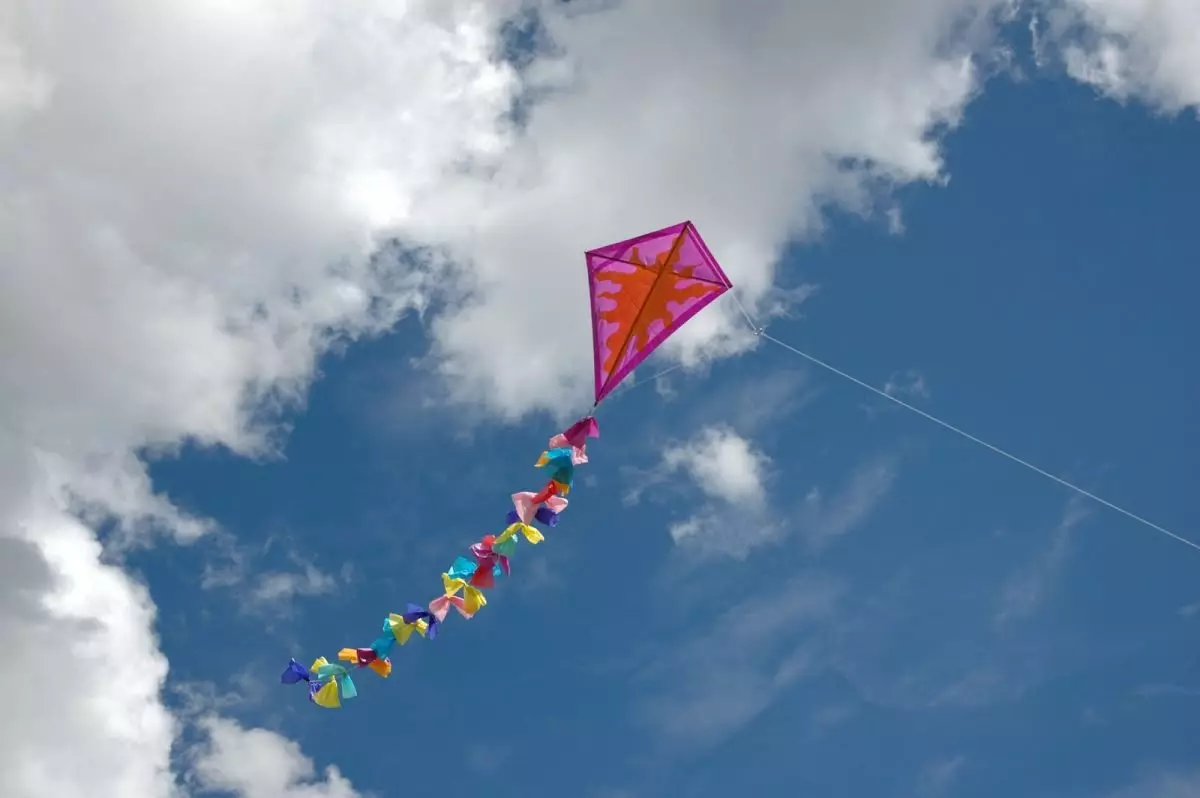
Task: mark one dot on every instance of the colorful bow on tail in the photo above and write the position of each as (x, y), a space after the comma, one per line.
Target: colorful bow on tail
(490, 563)
(416, 615)
(395, 630)
(543, 515)
(559, 462)
(576, 437)
(367, 658)
(527, 504)
(401, 628)
(467, 604)
(296, 673)
(506, 542)
(323, 679)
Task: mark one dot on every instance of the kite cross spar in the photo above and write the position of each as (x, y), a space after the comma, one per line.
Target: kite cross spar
(642, 291)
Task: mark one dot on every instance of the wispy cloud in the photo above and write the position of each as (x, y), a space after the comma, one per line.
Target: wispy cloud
(198, 699)
(910, 383)
(732, 474)
(1161, 690)
(978, 687)
(756, 406)
(277, 587)
(908, 386)
(886, 645)
(938, 777)
(487, 759)
(1027, 588)
(822, 519)
(538, 575)
(268, 590)
(1162, 784)
(611, 792)
(707, 687)
(828, 718)
(721, 530)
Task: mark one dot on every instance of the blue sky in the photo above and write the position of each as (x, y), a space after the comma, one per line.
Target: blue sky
(929, 620)
(294, 295)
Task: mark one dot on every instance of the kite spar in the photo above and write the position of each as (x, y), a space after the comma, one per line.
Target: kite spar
(642, 291)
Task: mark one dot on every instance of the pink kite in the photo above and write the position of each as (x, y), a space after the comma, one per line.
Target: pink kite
(643, 290)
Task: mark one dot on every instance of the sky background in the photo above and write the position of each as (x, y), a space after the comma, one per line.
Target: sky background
(223, 454)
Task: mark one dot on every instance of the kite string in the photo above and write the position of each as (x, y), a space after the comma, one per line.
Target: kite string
(754, 328)
(761, 332)
(649, 381)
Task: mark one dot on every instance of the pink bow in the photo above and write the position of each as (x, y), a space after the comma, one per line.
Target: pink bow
(576, 437)
(526, 503)
(467, 605)
(440, 607)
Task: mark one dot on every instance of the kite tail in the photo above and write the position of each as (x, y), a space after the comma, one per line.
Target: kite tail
(330, 684)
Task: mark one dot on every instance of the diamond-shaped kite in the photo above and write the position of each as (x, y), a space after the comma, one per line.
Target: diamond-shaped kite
(643, 290)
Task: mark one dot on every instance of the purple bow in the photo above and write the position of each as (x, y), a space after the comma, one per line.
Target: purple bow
(295, 673)
(416, 613)
(298, 673)
(543, 515)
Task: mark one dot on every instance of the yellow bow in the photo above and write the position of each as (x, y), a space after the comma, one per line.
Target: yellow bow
(473, 598)
(328, 696)
(531, 533)
(402, 631)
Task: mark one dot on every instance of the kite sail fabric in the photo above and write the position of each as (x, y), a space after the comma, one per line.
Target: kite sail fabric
(643, 290)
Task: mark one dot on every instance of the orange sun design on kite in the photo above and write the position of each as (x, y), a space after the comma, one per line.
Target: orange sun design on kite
(660, 283)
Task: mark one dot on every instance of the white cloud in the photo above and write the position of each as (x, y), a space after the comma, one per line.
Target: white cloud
(768, 116)
(732, 473)
(723, 464)
(256, 763)
(87, 720)
(1145, 49)
(184, 227)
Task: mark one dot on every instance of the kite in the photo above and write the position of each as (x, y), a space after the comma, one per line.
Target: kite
(642, 291)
